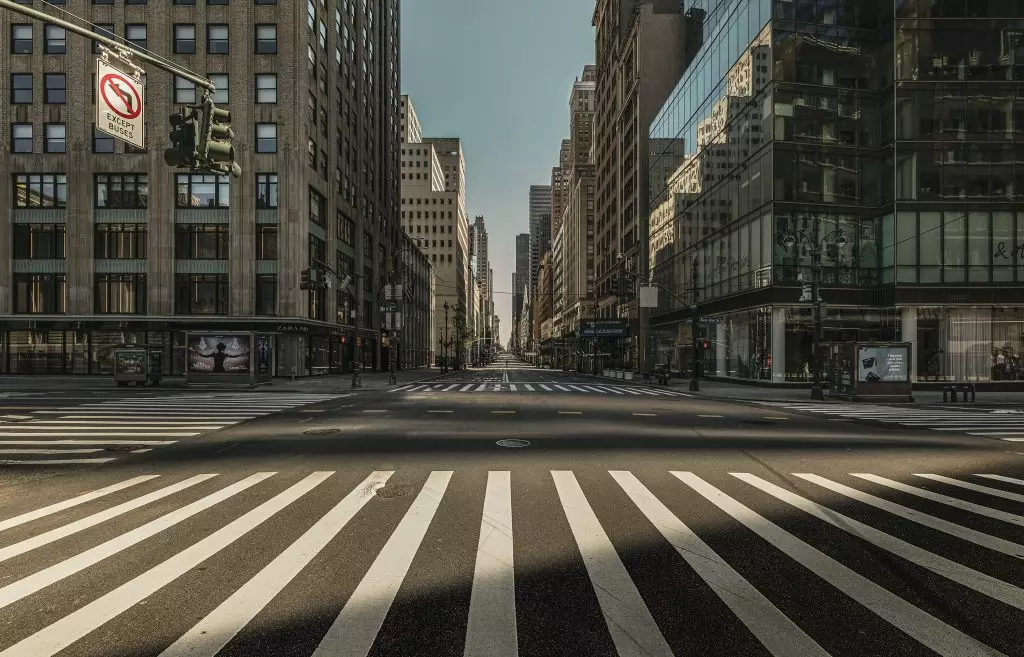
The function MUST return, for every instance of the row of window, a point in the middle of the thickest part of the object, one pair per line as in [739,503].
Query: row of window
[55,40]
[125,294]
[146,2]
[55,138]
[131,190]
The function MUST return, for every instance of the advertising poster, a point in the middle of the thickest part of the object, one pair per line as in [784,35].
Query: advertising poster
[129,361]
[218,354]
[882,364]
[263,354]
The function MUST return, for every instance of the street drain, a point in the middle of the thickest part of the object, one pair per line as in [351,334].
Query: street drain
[513,442]
[393,491]
[320,432]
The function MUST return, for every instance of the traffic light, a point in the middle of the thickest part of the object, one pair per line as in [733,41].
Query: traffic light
[184,129]
[305,284]
[705,345]
[215,152]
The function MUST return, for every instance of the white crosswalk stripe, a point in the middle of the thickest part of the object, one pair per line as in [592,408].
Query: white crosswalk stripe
[540,388]
[494,627]
[101,426]
[992,424]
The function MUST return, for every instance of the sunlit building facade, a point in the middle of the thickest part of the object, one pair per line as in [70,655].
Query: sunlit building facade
[885,134]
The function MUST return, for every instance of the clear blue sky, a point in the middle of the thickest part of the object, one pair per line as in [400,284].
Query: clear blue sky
[497,73]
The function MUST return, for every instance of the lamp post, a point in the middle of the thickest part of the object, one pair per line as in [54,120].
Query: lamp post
[694,329]
[838,239]
[444,366]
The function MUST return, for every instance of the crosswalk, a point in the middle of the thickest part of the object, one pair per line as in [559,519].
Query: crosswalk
[541,388]
[649,564]
[1000,424]
[101,432]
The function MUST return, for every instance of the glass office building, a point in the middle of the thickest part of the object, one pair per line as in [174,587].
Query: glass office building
[887,135]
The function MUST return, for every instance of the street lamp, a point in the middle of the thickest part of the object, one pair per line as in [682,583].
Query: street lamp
[834,238]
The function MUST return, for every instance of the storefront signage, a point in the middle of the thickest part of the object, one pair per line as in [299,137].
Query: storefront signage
[604,328]
[1000,252]
[292,328]
[882,364]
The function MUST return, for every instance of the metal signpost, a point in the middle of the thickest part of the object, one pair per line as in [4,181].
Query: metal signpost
[120,99]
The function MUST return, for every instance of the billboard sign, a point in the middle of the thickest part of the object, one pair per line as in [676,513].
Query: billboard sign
[210,353]
[604,328]
[882,364]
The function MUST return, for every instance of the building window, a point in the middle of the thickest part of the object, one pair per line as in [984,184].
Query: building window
[266,137]
[21,89]
[40,241]
[120,241]
[185,39]
[122,190]
[202,191]
[266,39]
[21,137]
[266,2]
[346,229]
[219,80]
[266,88]
[201,242]
[55,138]
[217,2]
[136,35]
[120,294]
[266,190]
[40,190]
[103,2]
[266,242]
[40,294]
[317,250]
[184,91]
[201,294]
[266,294]
[102,143]
[317,208]
[103,29]
[217,39]
[136,2]
[55,85]
[184,2]
[56,40]
[21,39]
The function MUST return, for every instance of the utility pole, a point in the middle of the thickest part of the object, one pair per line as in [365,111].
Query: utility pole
[593,365]
[694,328]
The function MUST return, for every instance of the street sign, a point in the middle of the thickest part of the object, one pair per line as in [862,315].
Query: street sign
[120,98]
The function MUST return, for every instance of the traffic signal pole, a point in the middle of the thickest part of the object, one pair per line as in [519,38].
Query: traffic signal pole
[113,44]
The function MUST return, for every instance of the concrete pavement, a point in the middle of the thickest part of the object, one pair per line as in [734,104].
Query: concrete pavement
[394,523]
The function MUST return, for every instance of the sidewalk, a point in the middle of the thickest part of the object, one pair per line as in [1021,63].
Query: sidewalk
[732,392]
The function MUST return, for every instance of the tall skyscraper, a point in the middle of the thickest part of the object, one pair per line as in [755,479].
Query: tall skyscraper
[540,228]
[104,243]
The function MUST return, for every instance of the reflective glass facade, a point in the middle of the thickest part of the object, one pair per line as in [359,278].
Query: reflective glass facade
[897,127]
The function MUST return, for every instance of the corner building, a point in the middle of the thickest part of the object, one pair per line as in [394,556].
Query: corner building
[897,126]
[103,244]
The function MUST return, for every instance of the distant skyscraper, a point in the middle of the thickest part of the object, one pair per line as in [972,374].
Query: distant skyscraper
[540,228]
[521,278]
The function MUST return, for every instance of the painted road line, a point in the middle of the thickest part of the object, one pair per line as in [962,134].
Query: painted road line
[76,427]
[943,499]
[963,575]
[141,451]
[415,388]
[631,391]
[213,632]
[354,630]
[155,443]
[529,387]
[504,412]
[439,411]
[482,386]
[52,639]
[917,623]
[781,636]
[11,551]
[73,502]
[544,387]
[466,387]
[85,461]
[995,492]
[708,416]
[774,417]
[405,387]
[1009,480]
[312,410]
[375,410]
[451,387]
[629,621]
[645,414]
[938,524]
[491,630]
[163,420]
[563,389]
[29,450]
[512,387]
[570,412]
[35,434]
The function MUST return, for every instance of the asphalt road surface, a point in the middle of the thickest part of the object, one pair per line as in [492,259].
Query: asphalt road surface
[574,517]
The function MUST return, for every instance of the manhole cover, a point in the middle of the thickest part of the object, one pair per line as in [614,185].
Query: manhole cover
[320,432]
[513,442]
[758,422]
[394,490]
[122,448]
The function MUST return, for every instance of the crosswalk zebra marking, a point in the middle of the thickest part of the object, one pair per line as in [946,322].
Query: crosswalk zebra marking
[943,499]
[81,622]
[40,452]
[83,461]
[975,487]
[214,631]
[78,500]
[545,388]
[781,636]
[528,387]
[963,575]
[11,551]
[938,524]
[13,592]
[633,629]
[491,629]
[917,623]
[354,630]
[1009,480]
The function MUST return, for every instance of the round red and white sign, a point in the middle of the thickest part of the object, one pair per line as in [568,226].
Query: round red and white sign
[120,96]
